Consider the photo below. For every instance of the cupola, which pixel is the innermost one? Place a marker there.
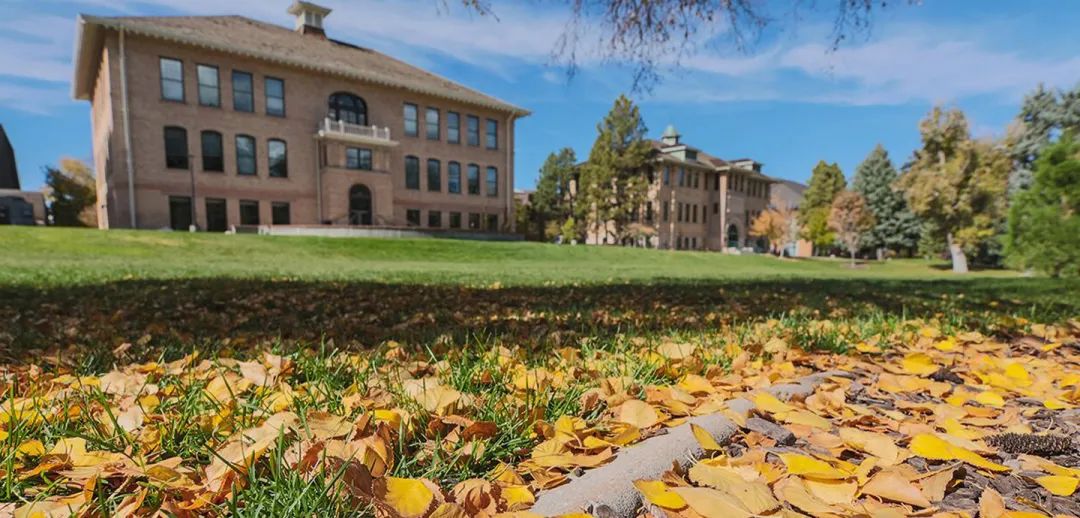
(309, 17)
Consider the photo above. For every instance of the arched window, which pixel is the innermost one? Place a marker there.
(732, 236)
(359, 205)
(348, 108)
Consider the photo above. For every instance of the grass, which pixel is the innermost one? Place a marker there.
(363, 314)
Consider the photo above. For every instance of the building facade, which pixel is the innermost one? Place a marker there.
(224, 121)
(695, 201)
(9, 175)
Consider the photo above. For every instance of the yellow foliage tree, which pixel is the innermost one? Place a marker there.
(776, 226)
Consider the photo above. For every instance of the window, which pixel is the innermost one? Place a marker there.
(682, 177)
(179, 212)
(434, 219)
(431, 119)
(412, 217)
(172, 80)
(491, 137)
(434, 175)
(245, 155)
(648, 212)
(474, 221)
(279, 213)
(697, 180)
(249, 212)
(358, 158)
(680, 212)
(412, 173)
(176, 150)
(492, 223)
(348, 108)
(473, 129)
(664, 212)
(243, 92)
(217, 217)
(275, 97)
(694, 213)
(453, 127)
(209, 86)
(667, 175)
(715, 208)
(453, 178)
(277, 158)
(474, 179)
(455, 220)
(704, 211)
(411, 126)
(213, 151)
(492, 181)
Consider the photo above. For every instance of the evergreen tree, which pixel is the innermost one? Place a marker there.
(552, 201)
(1044, 220)
(1043, 115)
(896, 227)
(957, 183)
(614, 182)
(826, 182)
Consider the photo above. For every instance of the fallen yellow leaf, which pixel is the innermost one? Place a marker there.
(1059, 485)
(657, 493)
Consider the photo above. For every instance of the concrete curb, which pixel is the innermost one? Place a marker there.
(609, 490)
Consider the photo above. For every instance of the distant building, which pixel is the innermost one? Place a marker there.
(695, 201)
(788, 194)
(221, 121)
(21, 207)
(9, 175)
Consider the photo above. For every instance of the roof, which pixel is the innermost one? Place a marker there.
(704, 160)
(250, 38)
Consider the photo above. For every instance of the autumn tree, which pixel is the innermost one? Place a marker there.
(957, 183)
(1044, 220)
(614, 183)
(552, 203)
(850, 218)
(895, 227)
(72, 194)
(775, 226)
(826, 181)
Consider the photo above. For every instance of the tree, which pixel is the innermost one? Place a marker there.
(614, 182)
(826, 181)
(72, 194)
(957, 183)
(1043, 114)
(774, 225)
(553, 199)
(896, 227)
(850, 218)
(1044, 220)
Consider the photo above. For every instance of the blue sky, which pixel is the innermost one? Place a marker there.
(788, 101)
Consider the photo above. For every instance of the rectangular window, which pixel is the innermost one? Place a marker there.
(277, 158)
(213, 152)
(431, 121)
(434, 219)
(245, 155)
(474, 179)
(180, 212)
(249, 212)
(694, 212)
(209, 86)
(358, 158)
(453, 178)
(455, 220)
(667, 175)
(275, 97)
(412, 217)
(491, 135)
(682, 177)
(492, 223)
(473, 129)
(715, 208)
(492, 182)
(217, 215)
(697, 180)
(704, 211)
(172, 80)
(412, 173)
(648, 212)
(279, 213)
(176, 150)
(680, 213)
(434, 175)
(412, 128)
(243, 92)
(716, 185)
(453, 127)
(474, 221)
(664, 212)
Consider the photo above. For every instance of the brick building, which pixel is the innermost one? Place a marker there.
(220, 121)
(695, 201)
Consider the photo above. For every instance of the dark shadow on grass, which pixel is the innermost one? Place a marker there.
(211, 312)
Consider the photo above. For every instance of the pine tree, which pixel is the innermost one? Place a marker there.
(1043, 114)
(826, 182)
(896, 227)
(614, 181)
(552, 201)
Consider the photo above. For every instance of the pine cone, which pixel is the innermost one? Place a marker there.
(1031, 444)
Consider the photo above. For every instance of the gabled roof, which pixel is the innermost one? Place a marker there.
(250, 38)
(704, 160)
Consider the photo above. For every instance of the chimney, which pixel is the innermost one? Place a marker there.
(309, 18)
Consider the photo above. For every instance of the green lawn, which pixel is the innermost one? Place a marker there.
(62, 256)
